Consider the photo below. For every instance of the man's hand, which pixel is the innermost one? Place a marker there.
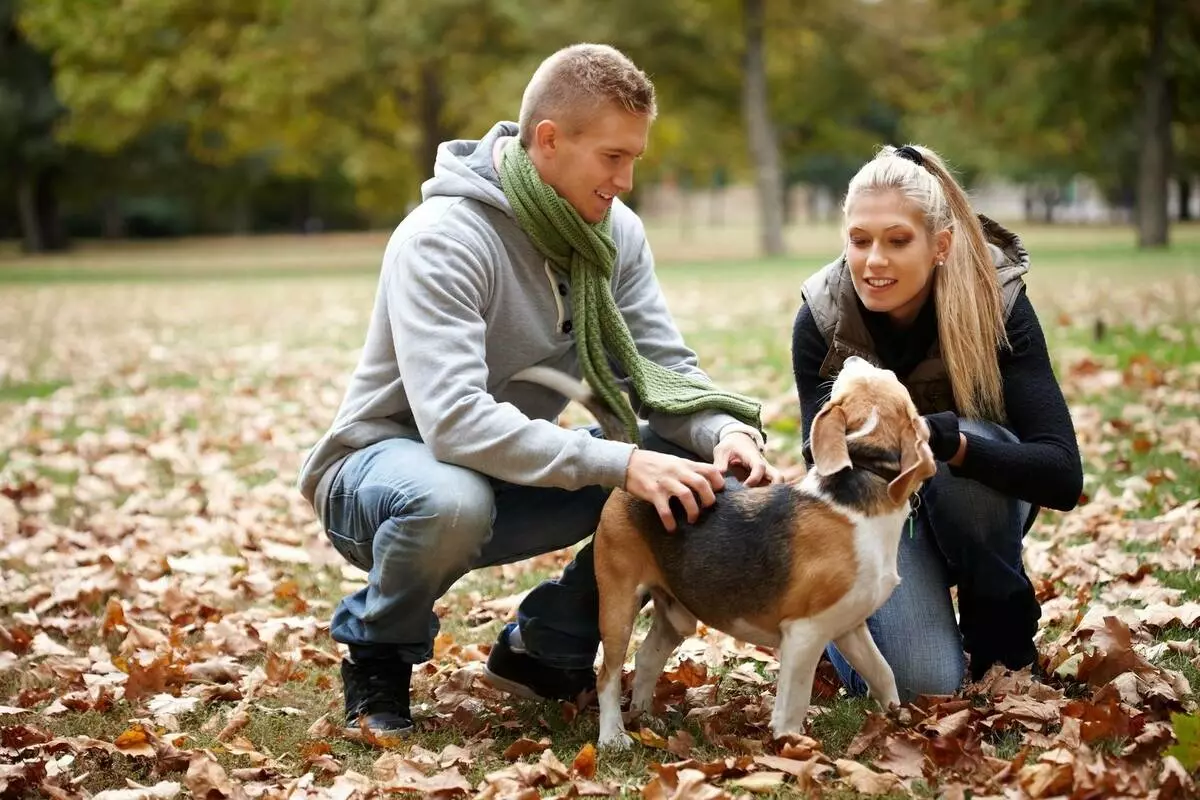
(657, 477)
(739, 452)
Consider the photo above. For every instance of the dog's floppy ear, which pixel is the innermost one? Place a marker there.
(916, 464)
(829, 441)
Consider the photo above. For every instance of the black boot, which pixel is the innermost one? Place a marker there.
(999, 630)
(376, 688)
(520, 674)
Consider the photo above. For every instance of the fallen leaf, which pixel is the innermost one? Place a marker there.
(524, 747)
(902, 756)
(584, 764)
(163, 790)
(134, 742)
(759, 782)
(865, 780)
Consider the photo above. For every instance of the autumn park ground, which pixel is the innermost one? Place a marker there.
(165, 592)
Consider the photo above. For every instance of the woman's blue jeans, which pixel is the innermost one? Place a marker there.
(966, 535)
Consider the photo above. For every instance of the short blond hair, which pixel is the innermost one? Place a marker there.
(574, 82)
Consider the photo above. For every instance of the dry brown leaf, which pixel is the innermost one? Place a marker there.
(238, 720)
(525, 747)
(584, 764)
(865, 780)
(874, 727)
(903, 756)
(1045, 780)
(680, 743)
(758, 782)
(206, 780)
(650, 739)
(163, 790)
(585, 788)
(135, 742)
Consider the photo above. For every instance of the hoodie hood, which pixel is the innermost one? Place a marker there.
(464, 168)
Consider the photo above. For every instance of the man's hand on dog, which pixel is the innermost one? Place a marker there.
(739, 453)
(658, 477)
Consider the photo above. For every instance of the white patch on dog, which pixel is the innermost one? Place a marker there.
(868, 427)
(740, 629)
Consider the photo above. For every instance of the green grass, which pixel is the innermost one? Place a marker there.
(20, 392)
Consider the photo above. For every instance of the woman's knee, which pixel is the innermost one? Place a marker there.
(932, 668)
(935, 666)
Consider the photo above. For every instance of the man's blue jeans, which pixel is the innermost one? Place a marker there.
(968, 535)
(416, 525)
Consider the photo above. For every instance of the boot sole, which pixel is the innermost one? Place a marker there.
(355, 729)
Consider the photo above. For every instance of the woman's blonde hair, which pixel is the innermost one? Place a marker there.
(970, 311)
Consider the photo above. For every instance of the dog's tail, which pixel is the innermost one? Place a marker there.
(579, 392)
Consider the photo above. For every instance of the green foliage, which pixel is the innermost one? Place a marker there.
(1187, 735)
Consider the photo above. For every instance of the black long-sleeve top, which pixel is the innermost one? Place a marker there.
(1042, 468)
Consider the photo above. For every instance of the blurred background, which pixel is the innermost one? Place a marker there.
(129, 119)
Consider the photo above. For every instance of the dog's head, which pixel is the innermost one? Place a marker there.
(869, 410)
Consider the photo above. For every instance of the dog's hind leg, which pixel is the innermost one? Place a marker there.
(672, 622)
(859, 648)
(802, 643)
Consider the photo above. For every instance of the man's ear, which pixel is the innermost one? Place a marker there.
(916, 463)
(829, 441)
(545, 136)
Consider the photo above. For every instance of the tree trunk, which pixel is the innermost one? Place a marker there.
(42, 230)
(764, 146)
(1185, 198)
(31, 230)
(431, 103)
(1154, 158)
(112, 221)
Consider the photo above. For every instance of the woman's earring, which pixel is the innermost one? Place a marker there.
(939, 263)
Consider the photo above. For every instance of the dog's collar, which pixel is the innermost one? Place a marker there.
(877, 466)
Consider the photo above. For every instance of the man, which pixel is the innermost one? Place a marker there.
(438, 463)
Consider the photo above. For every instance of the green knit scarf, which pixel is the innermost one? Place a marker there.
(586, 253)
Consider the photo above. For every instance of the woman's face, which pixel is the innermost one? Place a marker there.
(891, 255)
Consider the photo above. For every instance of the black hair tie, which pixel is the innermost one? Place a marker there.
(911, 154)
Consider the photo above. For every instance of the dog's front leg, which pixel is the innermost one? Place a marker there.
(859, 648)
(799, 651)
(618, 608)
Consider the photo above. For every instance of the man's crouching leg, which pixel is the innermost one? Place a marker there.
(415, 525)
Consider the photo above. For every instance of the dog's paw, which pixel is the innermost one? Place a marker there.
(618, 740)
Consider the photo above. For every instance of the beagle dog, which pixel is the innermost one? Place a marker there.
(788, 566)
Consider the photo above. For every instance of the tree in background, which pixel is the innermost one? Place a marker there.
(1059, 89)
(29, 110)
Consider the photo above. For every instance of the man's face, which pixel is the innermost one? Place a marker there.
(590, 166)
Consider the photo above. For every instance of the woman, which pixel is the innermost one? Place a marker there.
(935, 293)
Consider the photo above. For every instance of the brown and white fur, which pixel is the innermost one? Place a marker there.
(789, 566)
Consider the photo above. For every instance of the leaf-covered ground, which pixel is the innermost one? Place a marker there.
(165, 592)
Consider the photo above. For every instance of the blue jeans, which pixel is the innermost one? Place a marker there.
(968, 535)
(416, 525)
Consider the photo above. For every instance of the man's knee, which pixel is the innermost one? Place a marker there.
(439, 526)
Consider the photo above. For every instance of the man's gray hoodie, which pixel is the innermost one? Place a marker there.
(464, 302)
